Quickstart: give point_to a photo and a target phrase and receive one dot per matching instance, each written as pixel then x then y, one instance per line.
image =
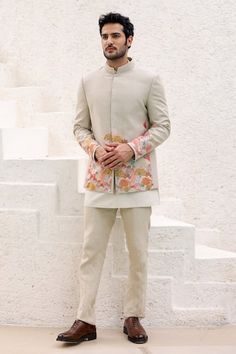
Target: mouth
pixel 110 49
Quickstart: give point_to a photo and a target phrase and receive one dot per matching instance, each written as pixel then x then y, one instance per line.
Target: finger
pixel 99 156
pixel 114 164
pixel 109 148
pixel 107 156
pixel 117 166
pixel 112 144
pixel 99 161
pixel 110 161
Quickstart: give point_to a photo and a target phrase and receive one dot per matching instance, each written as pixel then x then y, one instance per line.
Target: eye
pixel 116 35
pixel 104 36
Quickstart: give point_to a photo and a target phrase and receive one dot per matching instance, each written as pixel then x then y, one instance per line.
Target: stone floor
pixel 27 340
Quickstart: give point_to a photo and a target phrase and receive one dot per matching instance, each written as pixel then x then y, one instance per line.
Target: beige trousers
pixel 98 225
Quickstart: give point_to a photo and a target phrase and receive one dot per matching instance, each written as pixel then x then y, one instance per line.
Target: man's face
pixel 114 43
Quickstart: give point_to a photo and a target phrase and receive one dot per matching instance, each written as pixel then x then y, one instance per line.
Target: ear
pixel 129 41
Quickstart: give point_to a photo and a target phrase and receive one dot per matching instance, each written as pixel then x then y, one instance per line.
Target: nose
pixel 109 40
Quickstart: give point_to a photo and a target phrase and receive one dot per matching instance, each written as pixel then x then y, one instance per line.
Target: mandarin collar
pixel 126 67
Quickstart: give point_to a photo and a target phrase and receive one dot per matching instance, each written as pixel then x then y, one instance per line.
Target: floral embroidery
pixel 147 181
pixel 98 178
pixel 90 186
pixel 120 173
pixel 140 172
pixel 89 144
pixel 107 171
pixel 124 184
pixel 142 144
pixel 129 177
pixel 114 138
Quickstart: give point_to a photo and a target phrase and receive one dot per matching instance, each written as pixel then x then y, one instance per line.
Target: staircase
pixel 41 231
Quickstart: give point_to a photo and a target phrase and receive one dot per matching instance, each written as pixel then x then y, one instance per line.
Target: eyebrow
pixel 110 33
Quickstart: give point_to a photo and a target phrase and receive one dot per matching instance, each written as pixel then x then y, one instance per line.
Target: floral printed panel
pixel 131 178
pixel 143 144
pixel 98 179
pixel 89 145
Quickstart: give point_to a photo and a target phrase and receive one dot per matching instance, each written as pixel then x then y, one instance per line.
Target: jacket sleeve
pixel 159 123
pixel 82 129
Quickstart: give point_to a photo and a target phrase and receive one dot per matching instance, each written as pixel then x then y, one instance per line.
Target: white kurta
pixel 124 200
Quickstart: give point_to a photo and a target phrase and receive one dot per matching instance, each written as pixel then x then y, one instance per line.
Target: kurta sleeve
pixel 159 123
pixel 82 129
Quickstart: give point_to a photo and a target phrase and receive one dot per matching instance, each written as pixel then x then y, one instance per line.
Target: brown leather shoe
pixel 135 331
pixel 80 331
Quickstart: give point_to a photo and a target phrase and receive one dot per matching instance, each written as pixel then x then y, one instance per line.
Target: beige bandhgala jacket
pixel 126 106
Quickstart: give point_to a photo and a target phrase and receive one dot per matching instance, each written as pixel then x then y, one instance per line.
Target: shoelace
pixel 135 322
pixel 74 324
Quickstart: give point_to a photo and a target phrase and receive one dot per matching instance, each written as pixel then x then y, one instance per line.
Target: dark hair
pixel 113 17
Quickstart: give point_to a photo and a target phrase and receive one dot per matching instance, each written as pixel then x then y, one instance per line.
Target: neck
pixel 118 62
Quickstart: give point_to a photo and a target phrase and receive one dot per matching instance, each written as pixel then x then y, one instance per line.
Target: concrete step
pixel 7 77
pixel 59 170
pixel 17 226
pixel 40 282
pixel 111 294
pixel 60 126
pixel 61 99
pixel 19 143
pixel 8 114
pixel 205 294
pixel 40 196
pixel 158 302
pixel 198 317
pixel 220 264
pixel 28 99
pixel 169 234
pixel 205 252
pixel 171 248
pixel 166 263
pixel 160 262
pixel 169 207
pixel 64 228
pixel 208 237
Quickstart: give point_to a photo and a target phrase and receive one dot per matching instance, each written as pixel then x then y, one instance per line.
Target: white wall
pixel 190 43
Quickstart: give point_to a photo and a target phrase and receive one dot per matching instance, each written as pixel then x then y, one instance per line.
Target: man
pixel 121 118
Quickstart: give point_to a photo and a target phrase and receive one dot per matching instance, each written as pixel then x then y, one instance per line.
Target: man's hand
pixel 99 153
pixel 116 155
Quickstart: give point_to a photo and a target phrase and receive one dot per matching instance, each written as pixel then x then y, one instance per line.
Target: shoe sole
pixel 134 340
pixel 84 338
